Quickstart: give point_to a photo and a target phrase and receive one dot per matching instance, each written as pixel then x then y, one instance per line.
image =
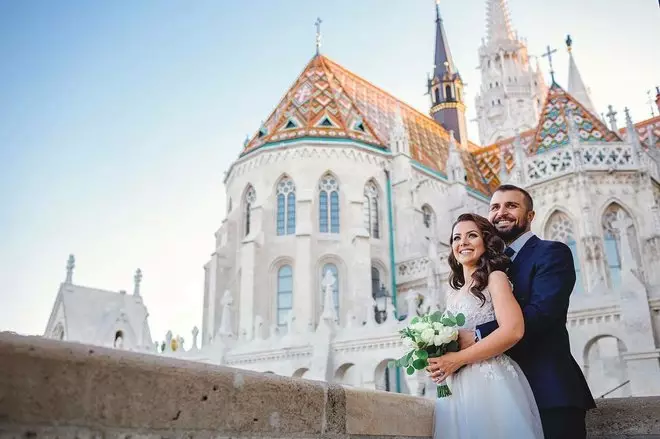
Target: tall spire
pixel 446 86
pixel 498 23
pixel 576 86
pixel 442 62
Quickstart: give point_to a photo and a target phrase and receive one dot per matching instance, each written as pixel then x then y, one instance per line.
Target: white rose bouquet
pixel 431 336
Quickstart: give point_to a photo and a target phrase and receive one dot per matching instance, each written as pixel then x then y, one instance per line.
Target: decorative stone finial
pixel 318 34
pixel 137 279
pixel 70 265
pixel 569 43
pixel 611 115
pixel 195 334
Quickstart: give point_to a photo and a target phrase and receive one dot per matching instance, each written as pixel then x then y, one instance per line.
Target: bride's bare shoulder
pixel 498 281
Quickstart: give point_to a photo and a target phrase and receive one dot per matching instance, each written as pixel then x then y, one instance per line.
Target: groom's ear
pixel 531 215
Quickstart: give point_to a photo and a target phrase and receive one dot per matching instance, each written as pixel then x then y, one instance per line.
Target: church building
pixel 340 204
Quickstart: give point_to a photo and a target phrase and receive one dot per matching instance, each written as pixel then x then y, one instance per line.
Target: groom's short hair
pixel 529 203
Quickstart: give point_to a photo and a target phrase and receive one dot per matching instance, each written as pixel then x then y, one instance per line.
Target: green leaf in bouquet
pixel 448 322
pixel 414 320
pixel 450 315
pixel 420 364
pixel 410 370
pixel 436 317
pixel 422 354
pixel 405 360
pixel 460 319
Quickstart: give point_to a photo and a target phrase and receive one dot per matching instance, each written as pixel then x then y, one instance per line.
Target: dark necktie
pixel 509 252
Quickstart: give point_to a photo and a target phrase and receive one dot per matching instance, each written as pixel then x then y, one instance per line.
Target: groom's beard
pixel 511 232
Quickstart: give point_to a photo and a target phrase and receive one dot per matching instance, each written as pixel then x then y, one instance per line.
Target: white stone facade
pixel 100 317
pixel 512 91
pixel 614 319
pixel 307 241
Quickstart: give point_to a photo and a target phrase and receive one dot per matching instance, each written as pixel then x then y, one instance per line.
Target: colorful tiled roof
pixel 551 132
pixel 329 101
pixel 488 157
pixel 642 129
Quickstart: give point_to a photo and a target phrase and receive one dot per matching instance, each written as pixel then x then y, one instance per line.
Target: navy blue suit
pixel 543 276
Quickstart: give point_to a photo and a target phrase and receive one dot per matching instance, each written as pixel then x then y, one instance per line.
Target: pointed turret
pixel 511 90
pixel 446 86
pixel 498 24
pixel 576 86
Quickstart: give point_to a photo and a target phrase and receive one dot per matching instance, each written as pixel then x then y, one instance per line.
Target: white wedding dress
pixel 491 399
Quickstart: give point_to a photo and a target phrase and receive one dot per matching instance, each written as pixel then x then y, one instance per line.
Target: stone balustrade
pixel 54 389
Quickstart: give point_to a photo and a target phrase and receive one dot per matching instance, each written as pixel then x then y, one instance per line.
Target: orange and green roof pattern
pixel 552 130
pixel 550 133
pixel 644 127
pixel 329 101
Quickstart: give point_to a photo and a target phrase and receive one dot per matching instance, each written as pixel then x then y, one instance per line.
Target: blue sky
pixel 118 119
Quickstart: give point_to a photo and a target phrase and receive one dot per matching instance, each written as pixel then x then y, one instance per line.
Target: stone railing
pixel 54 389
pixel 597 156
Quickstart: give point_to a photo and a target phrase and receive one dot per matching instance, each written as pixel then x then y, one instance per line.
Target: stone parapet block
pixel 54 389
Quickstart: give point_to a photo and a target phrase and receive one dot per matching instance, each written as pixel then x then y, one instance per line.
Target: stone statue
pixel 329 310
pixel 225 318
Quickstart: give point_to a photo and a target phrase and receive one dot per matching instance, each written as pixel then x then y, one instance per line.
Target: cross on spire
pixel 318 34
pixel 548 54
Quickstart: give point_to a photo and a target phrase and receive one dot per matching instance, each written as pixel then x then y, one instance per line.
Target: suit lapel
pixel 521 267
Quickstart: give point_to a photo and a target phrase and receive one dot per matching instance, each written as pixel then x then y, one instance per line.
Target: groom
pixel 543 276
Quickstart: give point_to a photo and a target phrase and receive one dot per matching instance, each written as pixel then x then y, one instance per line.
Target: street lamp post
pixel 380 296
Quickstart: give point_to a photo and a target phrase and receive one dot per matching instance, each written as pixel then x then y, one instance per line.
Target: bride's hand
pixel 442 367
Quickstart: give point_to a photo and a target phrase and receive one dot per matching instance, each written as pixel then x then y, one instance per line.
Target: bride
pixel 491 397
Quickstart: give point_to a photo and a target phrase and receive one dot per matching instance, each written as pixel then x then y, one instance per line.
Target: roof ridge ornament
pixel 318 34
pixel 548 54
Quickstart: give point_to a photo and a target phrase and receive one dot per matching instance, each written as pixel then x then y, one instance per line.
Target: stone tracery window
pixel 370 210
pixel 286 207
pixel 328 204
pixel 560 228
pixel 612 240
pixel 250 198
pixel 284 294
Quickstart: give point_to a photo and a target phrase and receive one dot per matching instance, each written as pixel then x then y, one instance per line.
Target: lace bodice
pixel 500 366
pixel 463 301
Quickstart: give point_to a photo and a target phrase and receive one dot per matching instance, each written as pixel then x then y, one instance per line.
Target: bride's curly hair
pixel 493 258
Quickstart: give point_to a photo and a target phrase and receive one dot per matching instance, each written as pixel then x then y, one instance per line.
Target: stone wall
pixel 54 389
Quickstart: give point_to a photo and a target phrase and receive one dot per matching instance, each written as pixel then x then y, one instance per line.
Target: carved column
pixel 642 357
pixel 305 295
pixel 360 263
pixel 248 258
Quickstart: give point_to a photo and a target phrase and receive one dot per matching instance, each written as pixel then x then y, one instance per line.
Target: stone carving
pixel 226 328
pixel 329 311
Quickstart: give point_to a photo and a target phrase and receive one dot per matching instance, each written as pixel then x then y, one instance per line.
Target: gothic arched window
pixel 375 281
pixel 286 207
pixel 328 204
pixel 616 221
pixel 560 228
pixel 250 198
pixel 370 210
pixel 448 93
pixel 332 268
pixel 284 294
